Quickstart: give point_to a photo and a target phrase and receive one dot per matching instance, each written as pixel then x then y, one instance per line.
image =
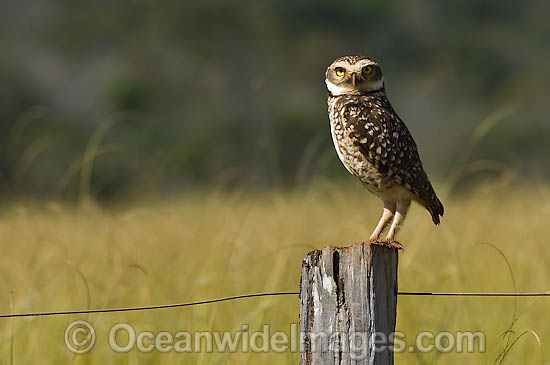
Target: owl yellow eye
pixel 367 70
pixel 340 71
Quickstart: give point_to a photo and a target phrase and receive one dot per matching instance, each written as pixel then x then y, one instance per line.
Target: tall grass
pixel 212 244
pixel 208 244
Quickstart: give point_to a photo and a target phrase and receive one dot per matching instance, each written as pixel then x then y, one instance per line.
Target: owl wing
pixel 385 141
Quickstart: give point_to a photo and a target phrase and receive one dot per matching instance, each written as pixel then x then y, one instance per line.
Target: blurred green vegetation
pixel 222 93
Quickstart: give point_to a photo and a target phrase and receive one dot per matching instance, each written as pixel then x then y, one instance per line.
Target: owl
pixel 374 144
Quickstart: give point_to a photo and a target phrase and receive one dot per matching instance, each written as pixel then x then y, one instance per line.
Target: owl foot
pixel 392 244
pixel 395 244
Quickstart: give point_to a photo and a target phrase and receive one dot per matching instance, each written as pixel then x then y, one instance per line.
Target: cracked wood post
pixel 348 303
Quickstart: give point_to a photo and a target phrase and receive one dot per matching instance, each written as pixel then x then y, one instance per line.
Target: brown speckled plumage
pixel 373 142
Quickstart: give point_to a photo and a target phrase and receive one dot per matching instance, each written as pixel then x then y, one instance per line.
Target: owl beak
pixel 353 79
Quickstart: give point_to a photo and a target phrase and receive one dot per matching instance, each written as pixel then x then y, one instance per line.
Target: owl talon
pixel 377 242
pixel 394 244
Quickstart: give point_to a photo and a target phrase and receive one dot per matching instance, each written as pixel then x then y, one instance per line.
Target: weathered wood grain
pixel 348 301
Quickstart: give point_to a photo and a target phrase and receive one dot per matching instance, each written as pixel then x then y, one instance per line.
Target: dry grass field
pixel 213 244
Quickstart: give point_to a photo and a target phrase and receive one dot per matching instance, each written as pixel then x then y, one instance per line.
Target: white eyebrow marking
pixel 339 90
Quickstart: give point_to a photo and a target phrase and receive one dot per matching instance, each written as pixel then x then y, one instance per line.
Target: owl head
pixel 353 75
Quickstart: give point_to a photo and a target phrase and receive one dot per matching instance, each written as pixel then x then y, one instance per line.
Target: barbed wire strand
pixel 243 296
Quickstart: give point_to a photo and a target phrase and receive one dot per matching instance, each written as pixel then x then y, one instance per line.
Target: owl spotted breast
pixel 374 144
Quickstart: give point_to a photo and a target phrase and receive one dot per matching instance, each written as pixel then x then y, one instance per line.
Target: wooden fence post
pixel 348 302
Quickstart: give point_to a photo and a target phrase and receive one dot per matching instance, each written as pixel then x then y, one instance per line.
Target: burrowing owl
pixel 374 144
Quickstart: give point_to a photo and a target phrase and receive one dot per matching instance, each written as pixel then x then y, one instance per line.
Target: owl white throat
pixel 336 90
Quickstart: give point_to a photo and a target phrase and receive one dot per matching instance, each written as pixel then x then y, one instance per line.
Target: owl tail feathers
pixel 436 209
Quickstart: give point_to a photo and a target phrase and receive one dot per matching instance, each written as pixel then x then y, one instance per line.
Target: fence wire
pixel 254 295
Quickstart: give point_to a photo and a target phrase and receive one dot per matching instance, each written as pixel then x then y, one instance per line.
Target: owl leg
pixel 400 213
pixel 389 210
